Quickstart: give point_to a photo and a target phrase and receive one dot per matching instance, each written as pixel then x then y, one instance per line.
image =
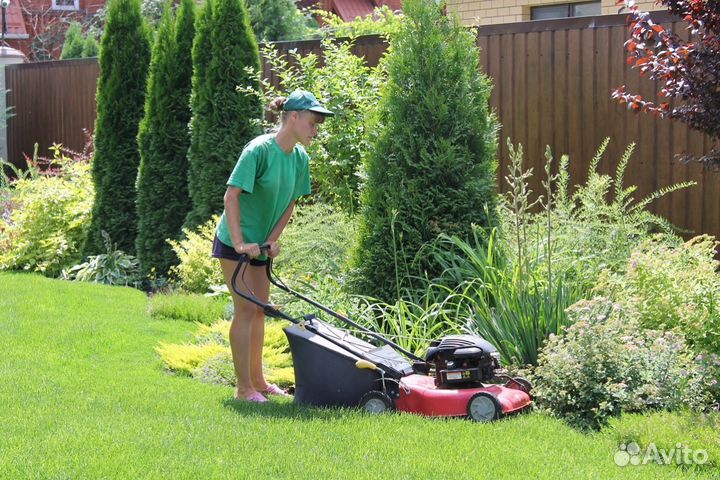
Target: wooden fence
pixel 552 82
pixel 52 102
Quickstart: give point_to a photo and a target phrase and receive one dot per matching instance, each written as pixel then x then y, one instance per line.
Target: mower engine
pixel 463 361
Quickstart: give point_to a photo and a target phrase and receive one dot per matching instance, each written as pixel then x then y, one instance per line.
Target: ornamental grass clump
pixel 605 364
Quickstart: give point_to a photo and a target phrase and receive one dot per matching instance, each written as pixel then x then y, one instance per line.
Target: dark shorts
pixel 220 250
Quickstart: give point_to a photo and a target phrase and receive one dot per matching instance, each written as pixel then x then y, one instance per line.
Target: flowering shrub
pixel 605 364
pixel 45 214
pixel 676 287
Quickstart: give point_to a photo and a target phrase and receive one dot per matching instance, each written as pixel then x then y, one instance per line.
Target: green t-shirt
pixel 270 179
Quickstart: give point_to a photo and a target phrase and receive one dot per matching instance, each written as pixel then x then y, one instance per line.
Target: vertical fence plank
pixel 574 117
pixel 546 108
pixel 559 77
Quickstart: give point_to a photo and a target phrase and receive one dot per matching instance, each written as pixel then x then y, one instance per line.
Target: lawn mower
pixel 458 377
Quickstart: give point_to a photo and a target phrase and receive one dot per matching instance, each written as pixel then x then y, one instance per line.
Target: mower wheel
pixel 484 407
pixel 376 401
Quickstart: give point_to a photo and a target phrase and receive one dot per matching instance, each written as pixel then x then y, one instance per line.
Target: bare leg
pixel 246 329
pixel 261 287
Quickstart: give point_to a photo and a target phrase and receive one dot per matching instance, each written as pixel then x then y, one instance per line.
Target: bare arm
pixel 232 215
pixel 279 227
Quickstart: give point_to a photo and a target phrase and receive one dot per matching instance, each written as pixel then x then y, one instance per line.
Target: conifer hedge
pixel 124 59
pixel 432 167
pixel 163 139
pixel 223 118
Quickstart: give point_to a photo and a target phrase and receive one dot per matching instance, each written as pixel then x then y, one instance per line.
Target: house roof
pixel 349 10
pixel 15 22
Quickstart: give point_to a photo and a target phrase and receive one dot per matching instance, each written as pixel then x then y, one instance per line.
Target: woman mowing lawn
pixel 271 174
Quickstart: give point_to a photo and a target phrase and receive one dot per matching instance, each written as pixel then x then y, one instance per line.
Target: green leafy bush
pixel 349 88
pixel 274 20
pixel 598 226
pixel 197 270
pixel 668 286
pixel 382 21
pixel 112 268
pixel 605 364
pixel 514 308
pixel 315 242
pixel 431 168
pixel 91 48
pixel 313 258
pixel 314 251
pixel 185 359
pixel 47 214
pixel 187 307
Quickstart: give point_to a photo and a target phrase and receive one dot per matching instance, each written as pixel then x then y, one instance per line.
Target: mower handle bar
pixel 273 312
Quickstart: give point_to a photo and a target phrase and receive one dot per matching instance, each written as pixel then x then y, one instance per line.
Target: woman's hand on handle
pixel 250 249
pixel 273 249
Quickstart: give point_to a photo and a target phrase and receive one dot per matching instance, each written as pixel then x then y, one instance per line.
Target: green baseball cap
pixel 304 100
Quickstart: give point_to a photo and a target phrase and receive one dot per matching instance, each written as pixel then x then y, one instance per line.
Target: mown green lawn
pixel 83 395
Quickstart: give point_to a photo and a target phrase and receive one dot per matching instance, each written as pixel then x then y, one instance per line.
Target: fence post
pixel 8 56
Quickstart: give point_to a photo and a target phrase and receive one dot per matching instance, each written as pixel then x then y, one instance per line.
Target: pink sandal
pixel 273 389
pixel 255 397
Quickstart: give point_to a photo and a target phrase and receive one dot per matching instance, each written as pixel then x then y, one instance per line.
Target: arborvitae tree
pixel 224 119
pixel 162 194
pixel 274 20
pixel 124 59
pixel 200 102
pixel 74 42
pixel 432 168
pixel 90 48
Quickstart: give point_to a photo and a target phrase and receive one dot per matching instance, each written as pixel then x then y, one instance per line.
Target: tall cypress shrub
pixel 432 166
pixel 223 118
pixel 124 59
pixel 162 194
pixel 74 42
